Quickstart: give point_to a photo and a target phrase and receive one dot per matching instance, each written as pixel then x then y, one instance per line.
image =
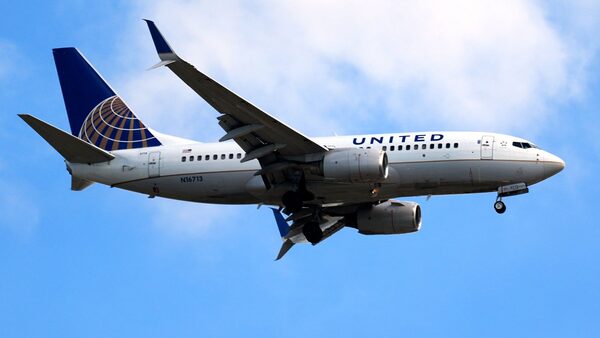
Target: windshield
pixel 524 145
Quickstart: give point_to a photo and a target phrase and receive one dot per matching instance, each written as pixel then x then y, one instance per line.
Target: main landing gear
pixel 508 190
pixel 293 200
pixel 313 233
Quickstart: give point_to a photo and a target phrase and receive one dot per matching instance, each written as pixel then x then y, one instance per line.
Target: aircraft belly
pixel 405 179
pixel 220 188
pixel 434 178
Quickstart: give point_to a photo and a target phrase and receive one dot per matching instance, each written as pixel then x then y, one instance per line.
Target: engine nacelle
pixel 355 165
pixel 391 217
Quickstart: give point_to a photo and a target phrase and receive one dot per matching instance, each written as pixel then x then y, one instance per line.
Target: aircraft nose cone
pixel 553 165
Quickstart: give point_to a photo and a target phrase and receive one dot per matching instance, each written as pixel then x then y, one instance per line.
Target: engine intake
pixel 391 217
pixel 355 165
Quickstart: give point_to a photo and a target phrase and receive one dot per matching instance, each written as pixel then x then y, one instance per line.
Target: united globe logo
pixel 111 125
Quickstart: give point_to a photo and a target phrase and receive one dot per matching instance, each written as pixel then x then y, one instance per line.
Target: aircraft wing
pixel 259 134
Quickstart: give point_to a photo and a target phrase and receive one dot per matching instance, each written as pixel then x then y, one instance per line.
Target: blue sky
pixel 105 262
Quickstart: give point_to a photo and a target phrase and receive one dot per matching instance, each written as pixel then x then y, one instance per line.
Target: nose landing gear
pixel 508 190
pixel 499 206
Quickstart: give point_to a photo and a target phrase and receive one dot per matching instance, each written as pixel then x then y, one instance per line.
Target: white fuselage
pixel 428 163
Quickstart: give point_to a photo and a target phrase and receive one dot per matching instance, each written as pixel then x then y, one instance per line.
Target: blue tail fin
pixel 96 114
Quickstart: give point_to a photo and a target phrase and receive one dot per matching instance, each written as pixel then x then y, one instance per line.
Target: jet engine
pixel 355 165
pixel 391 217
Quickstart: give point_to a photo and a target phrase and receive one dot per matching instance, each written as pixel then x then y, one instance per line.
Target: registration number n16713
pixel 191 179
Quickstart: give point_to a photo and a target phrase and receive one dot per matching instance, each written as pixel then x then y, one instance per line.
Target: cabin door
pixel 487 147
pixel 154 164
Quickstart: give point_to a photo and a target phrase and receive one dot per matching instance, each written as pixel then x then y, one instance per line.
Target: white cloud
pixel 326 66
pixel 467 64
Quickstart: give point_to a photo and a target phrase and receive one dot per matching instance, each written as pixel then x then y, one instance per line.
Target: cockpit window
pixel 524 145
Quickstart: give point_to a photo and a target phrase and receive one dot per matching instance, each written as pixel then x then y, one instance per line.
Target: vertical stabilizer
pixel 96 113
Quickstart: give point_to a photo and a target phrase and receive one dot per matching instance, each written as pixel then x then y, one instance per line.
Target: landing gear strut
pixel 293 200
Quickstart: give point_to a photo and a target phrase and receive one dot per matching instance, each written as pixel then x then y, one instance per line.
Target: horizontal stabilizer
pixel 78 184
pixel 72 148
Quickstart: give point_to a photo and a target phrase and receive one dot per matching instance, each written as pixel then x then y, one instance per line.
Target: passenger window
pixel 455 145
pixel 191 158
pixel 439 146
pixel 392 148
pixel 199 157
pixel 431 146
pixel 207 157
pixel 384 148
pixel 447 145
pixel 416 147
pixel 399 148
pixel 183 158
pixel 424 147
pixel 223 156
pixel 230 156
pixel 215 157
pixel 239 155
pixel 408 147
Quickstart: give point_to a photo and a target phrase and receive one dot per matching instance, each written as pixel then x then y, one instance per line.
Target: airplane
pixel 315 185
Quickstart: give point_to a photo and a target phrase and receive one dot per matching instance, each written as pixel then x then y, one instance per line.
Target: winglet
pixel 162 46
pixel 285 247
pixel 165 52
pixel 284 228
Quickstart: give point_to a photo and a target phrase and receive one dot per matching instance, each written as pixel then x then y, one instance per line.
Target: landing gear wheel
pixel 292 201
pixel 313 233
pixel 500 207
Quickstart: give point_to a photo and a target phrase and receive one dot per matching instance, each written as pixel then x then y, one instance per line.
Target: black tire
pixel 292 201
pixel 500 207
pixel 313 233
